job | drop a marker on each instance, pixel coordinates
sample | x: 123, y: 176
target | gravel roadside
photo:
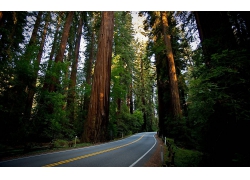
x: 155, y: 160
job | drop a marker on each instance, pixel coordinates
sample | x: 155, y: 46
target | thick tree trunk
x: 160, y: 99
x: 144, y: 125
x: 95, y: 129
x: 72, y: 84
x: 89, y: 75
x: 172, y: 72
x: 91, y: 59
x: 62, y: 47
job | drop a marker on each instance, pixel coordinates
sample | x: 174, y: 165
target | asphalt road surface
x: 133, y: 151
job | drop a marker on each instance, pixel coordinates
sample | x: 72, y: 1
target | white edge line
x: 144, y: 154
x: 63, y: 150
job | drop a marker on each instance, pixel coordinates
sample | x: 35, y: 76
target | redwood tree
x: 95, y: 128
x: 171, y: 67
x: 72, y: 84
x: 62, y: 47
x: 91, y: 26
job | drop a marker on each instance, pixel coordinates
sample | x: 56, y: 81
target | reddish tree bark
x: 60, y: 53
x: 95, y: 129
x: 89, y: 74
x: 171, y: 64
x: 91, y: 58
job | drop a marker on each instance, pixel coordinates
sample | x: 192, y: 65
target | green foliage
x: 60, y: 143
x: 54, y: 124
x: 130, y: 123
x: 122, y: 121
x: 138, y: 116
x: 218, y: 101
x: 187, y: 158
x: 223, y: 83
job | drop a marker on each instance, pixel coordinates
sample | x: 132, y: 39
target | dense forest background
x: 84, y: 73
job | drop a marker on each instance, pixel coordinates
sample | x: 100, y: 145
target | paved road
x: 132, y: 151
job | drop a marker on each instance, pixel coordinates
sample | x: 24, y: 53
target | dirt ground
x: 155, y: 160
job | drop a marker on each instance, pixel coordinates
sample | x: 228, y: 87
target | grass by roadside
x: 182, y: 157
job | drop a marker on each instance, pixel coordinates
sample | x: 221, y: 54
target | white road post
x: 165, y: 141
x: 162, y: 155
x: 75, y: 141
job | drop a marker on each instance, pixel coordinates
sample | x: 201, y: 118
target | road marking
x: 143, y: 154
x: 87, y: 147
x: 89, y: 155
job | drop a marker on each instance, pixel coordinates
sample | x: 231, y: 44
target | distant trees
x: 121, y: 76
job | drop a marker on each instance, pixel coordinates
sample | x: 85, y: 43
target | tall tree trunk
x: 163, y: 88
x: 89, y: 75
x: 130, y: 99
x: 171, y: 64
x: 95, y: 128
x: 70, y: 58
x: 31, y: 91
x: 144, y: 125
x: 91, y: 59
x: 61, y: 50
x: 72, y: 84
x: 35, y: 30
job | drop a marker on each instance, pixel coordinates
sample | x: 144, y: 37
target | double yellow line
x: 89, y: 155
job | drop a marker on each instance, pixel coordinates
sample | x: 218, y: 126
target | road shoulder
x: 155, y: 159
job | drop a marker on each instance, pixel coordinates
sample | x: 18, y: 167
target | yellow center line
x: 89, y: 155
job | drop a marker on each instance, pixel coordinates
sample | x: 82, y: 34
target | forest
x: 84, y: 73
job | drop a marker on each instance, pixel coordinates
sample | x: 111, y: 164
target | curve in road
x: 128, y: 152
